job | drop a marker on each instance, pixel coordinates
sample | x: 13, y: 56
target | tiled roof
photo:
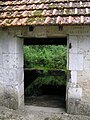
x: 41, y: 12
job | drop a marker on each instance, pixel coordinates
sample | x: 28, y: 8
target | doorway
x: 45, y: 85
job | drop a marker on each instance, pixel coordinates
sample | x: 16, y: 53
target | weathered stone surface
x: 10, y: 100
x: 74, y: 93
x: 11, y: 70
x: 74, y: 77
x: 83, y: 43
x: 1, y: 92
x: 12, y: 60
x: 73, y: 41
x: 78, y: 107
x: 75, y: 61
x: 79, y: 64
x: 20, y: 75
x: 11, y: 65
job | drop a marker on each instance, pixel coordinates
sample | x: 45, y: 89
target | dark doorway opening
x: 48, y: 95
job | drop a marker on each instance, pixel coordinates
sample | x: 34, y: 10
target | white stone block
x: 74, y: 77
x: 15, y: 45
x: 75, y: 61
x: 73, y: 42
x: 75, y: 93
x: 9, y: 43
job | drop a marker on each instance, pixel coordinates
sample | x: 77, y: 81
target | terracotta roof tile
x: 40, y: 12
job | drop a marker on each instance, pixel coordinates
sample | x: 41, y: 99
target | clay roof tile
x: 32, y: 12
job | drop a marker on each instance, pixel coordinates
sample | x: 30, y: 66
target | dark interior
x: 45, y: 41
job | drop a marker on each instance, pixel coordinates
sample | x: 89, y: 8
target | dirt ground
x: 54, y: 101
x: 52, y: 109
x: 37, y: 113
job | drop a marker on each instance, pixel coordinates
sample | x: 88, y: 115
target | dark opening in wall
x: 31, y: 28
x: 45, y: 41
x: 42, y: 87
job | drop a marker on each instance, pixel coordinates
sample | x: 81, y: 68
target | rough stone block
x: 84, y: 83
x: 74, y: 93
x: 11, y: 96
x: 83, y: 76
x: 10, y: 101
x: 5, y: 60
x: 5, y: 76
x: 83, y: 44
x: 73, y: 106
x: 78, y: 107
x: 87, y: 64
x: 12, y: 61
x: 9, y: 76
x: 13, y: 77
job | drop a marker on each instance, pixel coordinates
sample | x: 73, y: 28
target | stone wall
x: 11, y: 70
x: 78, y: 87
x: 78, y: 65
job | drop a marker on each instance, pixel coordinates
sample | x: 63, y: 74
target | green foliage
x: 45, y: 57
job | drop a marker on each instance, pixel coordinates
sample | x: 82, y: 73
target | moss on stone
x: 38, y: 13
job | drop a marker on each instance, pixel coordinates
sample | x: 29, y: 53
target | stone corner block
x: 74, y: 93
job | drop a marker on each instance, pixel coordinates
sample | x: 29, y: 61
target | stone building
x: 21, y: 19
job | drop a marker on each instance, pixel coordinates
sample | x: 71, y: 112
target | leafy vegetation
x: 45, y: 58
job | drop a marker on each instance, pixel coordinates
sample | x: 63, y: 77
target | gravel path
x: 38, y: 113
